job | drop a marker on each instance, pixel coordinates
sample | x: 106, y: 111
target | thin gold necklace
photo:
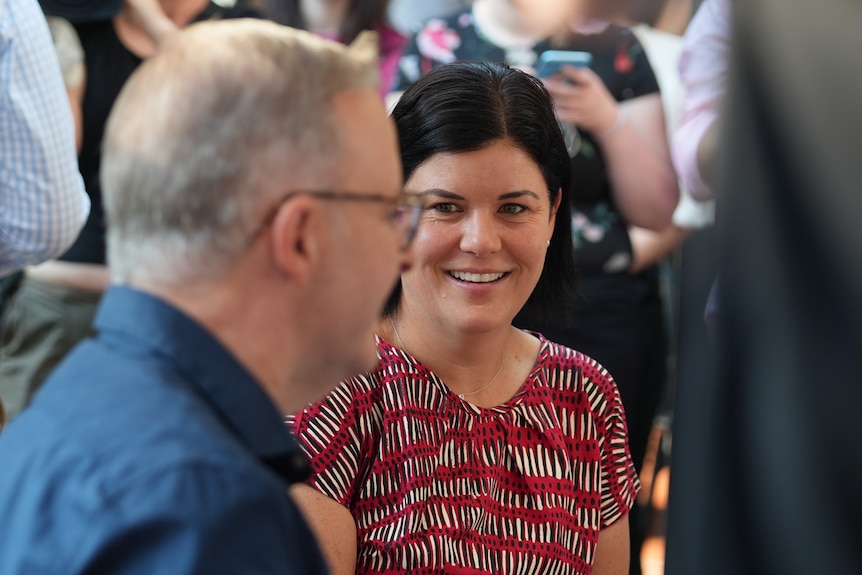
x: 461, y: 395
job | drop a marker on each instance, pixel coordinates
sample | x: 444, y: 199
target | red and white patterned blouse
x: 437, y: 484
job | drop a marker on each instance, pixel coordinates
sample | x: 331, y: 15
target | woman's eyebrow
x: 442, y: 193
x: 453, y: 196
x: 510, y: 195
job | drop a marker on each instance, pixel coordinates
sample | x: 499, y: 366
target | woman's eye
x: 512, y: 208
x: 443, y: 207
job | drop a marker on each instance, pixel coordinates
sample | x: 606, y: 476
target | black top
x: 600, y: 233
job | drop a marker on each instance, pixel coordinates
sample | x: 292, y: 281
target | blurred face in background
x: 541, y: 18
x: 544, y: 17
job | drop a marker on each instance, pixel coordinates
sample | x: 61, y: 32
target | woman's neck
x: 485, y: 369
x: 456, y: 357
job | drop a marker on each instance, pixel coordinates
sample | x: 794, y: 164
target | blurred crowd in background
x: 678, y: 111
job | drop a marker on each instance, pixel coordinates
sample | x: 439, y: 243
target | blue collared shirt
x: 43, y: 204
x: 151, y: 450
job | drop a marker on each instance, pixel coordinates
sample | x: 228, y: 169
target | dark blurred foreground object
x: 82, y: 10
x: 767, y: 481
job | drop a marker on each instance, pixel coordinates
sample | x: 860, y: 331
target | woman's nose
x: 480, y: 234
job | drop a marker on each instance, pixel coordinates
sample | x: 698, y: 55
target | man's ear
x: 294, y: 238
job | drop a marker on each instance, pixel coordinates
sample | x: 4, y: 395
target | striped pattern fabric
x: 43, y: 204
x: 438, y: 485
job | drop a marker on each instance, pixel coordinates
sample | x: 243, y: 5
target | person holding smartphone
x: 622, y: 177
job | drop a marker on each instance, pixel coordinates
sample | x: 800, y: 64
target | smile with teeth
x: 476, y: 278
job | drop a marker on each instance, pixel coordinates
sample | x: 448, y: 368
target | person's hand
x: 581, y: 98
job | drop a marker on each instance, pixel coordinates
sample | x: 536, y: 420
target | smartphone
x: 550, y: 61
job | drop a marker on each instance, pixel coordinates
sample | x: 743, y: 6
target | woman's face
x: 544, y: 17
x: 481, y: 245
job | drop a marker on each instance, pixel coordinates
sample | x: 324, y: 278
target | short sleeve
x: 641, y: 80
x: 43, y: 204
x: 621, y: 61
x: 337, y: 434
x: 619, y: 478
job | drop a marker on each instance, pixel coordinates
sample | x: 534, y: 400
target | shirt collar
x: 131, y: 318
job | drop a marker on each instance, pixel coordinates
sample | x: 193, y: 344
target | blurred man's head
x: 208, y: 134
x: 251, y: 162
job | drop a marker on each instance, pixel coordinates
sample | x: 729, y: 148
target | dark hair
x: 361, y: 15
x: 466, y: 106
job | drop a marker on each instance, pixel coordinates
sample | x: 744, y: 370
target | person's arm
x: 638, y: 159
x: 702, y: 69
x: 71, y: 56
x: 333, y: 527
x: 75, y: 94
x: 43, y: 204
x: 150, y: 17
x: 612, y: 550
x: 143, y: 26
x: 632, y: 137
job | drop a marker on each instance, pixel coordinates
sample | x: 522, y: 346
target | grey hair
x: 207, y: 135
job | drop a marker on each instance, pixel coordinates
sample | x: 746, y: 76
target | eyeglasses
x: 406, y: 209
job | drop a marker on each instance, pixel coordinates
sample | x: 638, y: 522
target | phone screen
x: 551, y: 61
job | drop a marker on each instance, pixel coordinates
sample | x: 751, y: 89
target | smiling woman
x: 475, y: 445
x: 481, y: 245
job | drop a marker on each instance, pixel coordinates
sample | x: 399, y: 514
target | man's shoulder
x: 98, y: 375
x: 122, y: 406
x: 178, y: 514
x: 124, y: 444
